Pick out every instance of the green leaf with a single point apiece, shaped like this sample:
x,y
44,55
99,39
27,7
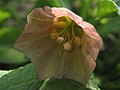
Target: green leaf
x,y
65,3
117,2
62,84
86,8
8,35
51,3
54,3
4,31
20,79
25,78
68,84
4,15
119,11
10,55
3,72
92,84
107,8
111,26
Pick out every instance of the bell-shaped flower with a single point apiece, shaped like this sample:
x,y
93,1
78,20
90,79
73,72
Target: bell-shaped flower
x,y
60,44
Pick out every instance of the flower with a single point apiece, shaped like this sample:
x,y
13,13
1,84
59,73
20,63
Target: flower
x,y
60,44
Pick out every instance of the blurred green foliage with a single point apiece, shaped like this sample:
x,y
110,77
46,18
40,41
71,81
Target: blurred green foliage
x,y
102,13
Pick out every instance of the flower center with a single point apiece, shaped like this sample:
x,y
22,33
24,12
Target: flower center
x,y
66,32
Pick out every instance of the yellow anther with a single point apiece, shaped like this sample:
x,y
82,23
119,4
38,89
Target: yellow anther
x,y
61,25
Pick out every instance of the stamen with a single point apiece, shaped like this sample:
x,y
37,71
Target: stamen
x,y
67,33
73,34
67,46
77,41
60,39
54,35
61,25
79,31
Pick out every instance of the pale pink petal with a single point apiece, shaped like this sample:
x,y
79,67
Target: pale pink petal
x,y
80,63
45,56
91,44
78,66
50,59
59,12
41,15
39,26
91,40
37,44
